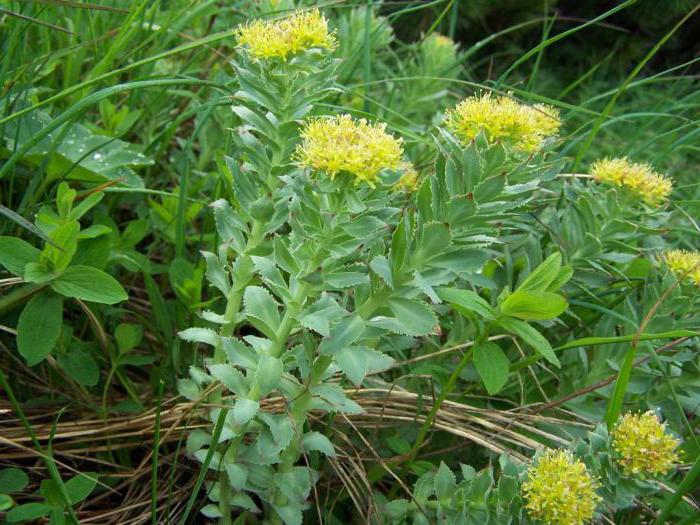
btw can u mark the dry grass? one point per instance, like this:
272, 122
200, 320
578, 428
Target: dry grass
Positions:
82, 443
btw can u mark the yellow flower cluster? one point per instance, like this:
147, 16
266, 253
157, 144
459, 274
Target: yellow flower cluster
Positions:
410, 179
288, 36
643, 446
503, 119
559, 490
341, 144
684, 264
640, 179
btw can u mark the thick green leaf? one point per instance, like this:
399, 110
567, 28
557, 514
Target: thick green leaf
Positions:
461, 260
492, 366
541, 277
532, 337
345, 279
12, 480
39, 327
319, 316
261, 310
534, 306
358, 361
434, 240
317, 441
81, 486
466, 302
445, 483
57, 256
15, 254
27, 512
188, 389
80, 366
89, 284
411, 317
268, 374
231, 377
6, 502
343, 334
200, 335
82, 153
244, 410
128, 336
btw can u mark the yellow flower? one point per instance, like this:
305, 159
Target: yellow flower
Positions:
288, 36
410, 179
559, 490
439, 41
503, 119
684, 264
643, 446
341, 144
640, 179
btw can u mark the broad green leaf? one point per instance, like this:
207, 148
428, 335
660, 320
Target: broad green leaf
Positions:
188, 389
541, 277
82, 154
86, 205
128, 336
89, 284
461, 260
261, 310
532, 337
358, 361
12, 480
268, 374
237, 475
345, 279
65, 196
563, 277
466, 302
216, 273
343, 334
6, 502
200, 335
231, 377
39, 327
445, 483
16, 253
57, 256
319, 316
291, 515
296, 484
244, 410
492, 366
411, 317
81, 486
534, 306
79, 364
211, 511
380, 265
317, 441
434, 240
27, 512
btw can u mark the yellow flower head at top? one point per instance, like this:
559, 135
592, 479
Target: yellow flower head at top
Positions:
341, 144
559, 490
287, 36
684, 264
503, 119
410, 180
640, 179
643, 446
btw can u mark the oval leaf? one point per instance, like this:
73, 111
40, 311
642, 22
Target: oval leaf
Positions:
89, 284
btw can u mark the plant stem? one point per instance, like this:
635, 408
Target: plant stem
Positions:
444, 394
